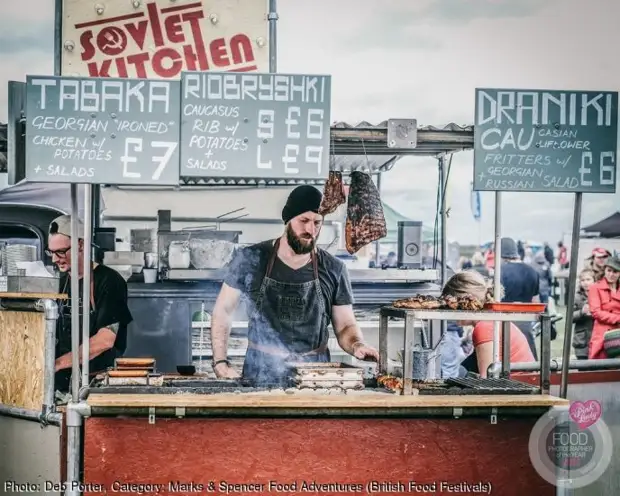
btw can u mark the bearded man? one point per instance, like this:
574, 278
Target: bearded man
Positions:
293, 290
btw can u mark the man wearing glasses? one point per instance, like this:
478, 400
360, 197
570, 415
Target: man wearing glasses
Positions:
109, 314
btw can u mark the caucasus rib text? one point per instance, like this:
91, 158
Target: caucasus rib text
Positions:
537, 140
102, 131
265, 126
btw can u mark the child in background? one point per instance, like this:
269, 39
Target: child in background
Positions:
582, 318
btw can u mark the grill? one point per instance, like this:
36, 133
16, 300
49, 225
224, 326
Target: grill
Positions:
493, 386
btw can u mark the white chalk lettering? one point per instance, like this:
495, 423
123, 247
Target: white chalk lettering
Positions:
216, 165
210, 111
259, 160
60, 141
315, 127
527, 107
608, 168
514, 171
97, 95
61, 170
214, 142
136, 145
560, 182
266, 120
210, 127
586, 157
69, 124
522, 142
291, 121
503, 184
516, 159
259, 87
149, 127
564, 145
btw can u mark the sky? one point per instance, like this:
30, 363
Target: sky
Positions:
417, 59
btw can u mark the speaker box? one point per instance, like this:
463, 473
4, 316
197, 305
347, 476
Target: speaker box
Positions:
410, 244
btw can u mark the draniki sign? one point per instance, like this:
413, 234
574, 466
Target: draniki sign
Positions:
267, 126
102, 131
540, 140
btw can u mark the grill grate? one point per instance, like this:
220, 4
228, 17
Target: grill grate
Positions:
492, 385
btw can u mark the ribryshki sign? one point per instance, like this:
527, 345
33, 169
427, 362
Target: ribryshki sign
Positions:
161, 38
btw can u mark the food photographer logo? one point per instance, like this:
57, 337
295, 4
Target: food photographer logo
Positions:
571, 448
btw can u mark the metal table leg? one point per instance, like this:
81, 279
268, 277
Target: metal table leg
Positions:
506, 350
408, 355
545, 353
383, 344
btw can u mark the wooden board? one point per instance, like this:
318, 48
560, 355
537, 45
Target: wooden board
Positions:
309, 401
34, 296
22, 359
325, 450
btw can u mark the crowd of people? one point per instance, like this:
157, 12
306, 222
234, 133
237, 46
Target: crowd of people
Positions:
527, 277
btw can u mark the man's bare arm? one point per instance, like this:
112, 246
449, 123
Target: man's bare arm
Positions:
97, 344
345, 327
221, 321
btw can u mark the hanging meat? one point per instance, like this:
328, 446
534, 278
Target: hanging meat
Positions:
365, 219
333, 194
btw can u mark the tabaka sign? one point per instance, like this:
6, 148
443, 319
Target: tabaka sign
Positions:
102, 131
255, 126
546, 141
161, 38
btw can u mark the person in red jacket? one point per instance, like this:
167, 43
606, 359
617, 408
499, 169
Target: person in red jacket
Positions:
604, 302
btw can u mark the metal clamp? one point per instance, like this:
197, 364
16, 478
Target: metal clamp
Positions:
457, 412
179, 411
493, 416
151, 415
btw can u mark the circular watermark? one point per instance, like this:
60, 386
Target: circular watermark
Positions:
568, 452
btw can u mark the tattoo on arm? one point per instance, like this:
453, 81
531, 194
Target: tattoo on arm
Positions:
113, 327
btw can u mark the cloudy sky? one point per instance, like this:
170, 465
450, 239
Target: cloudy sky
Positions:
420, 59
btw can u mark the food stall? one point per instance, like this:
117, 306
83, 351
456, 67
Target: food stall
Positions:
141, 427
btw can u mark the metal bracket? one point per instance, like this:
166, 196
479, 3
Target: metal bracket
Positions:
493, 416
457, 412
151, 415
179, 411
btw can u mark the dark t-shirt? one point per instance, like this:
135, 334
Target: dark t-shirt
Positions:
520, 282
248, 267
110, 298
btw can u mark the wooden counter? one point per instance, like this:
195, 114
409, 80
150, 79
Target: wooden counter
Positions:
310, 401
137, 439
22, 353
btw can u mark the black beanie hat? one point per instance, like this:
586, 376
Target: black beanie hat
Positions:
304, 198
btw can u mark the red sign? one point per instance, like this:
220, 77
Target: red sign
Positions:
161, 42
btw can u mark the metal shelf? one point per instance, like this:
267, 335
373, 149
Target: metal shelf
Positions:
440, 314
411, 338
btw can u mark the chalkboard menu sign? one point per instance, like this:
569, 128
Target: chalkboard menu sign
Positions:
102, 130
253, 125
539, 140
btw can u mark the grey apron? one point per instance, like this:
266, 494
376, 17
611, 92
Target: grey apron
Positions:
288, 324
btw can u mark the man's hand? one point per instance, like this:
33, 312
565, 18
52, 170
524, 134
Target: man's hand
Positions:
362, 351
586, 309
225, 371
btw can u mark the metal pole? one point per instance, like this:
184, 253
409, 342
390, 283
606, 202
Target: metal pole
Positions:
557, 364
58, 37
73, 432
50, 308
572, 281
273, 36
444, 227
495, 367
75, 296
87, 283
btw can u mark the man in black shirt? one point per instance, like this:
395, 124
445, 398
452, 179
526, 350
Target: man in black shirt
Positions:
292, 290
109, 314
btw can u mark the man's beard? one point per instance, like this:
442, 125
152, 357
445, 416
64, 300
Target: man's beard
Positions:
298, 245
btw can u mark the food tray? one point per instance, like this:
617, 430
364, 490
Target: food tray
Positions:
515, 307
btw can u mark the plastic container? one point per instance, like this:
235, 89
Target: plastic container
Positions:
150, 275
516, 307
